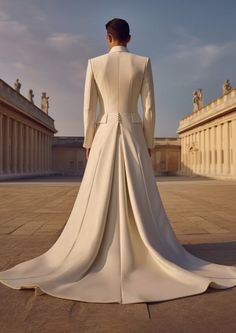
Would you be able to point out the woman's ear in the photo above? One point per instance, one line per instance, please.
(110, 37)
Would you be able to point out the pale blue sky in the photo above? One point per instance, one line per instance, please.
(47, 43)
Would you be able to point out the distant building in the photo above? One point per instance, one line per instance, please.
(69, 156)
(208, 139)
(25, 136)
(166, 156)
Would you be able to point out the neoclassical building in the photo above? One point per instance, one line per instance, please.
(26, 134)
(208, 139)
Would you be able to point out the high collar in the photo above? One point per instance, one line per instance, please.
(116, 48)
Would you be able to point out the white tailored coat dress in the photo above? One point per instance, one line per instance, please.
(118, 245)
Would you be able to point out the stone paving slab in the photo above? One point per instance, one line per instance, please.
(32, 216)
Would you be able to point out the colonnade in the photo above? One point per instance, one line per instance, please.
(23, 147)
(210, 150)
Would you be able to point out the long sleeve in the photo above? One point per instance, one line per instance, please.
(90, 106)
(148, 105)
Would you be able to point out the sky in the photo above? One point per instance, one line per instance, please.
(46, 44)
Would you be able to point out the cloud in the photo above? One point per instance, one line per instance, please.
(3, 15)
(26, 9)
(49, 61)
(204, 55)
(64, 40)
(189, 62)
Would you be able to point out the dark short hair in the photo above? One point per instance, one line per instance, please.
(118, 28)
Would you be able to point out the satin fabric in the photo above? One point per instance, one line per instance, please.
(118, 245)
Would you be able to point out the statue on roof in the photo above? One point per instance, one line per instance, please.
(44, 102)
(200, 95)
(197, 100)
(226, 87)
(17, 85)
(31, 96)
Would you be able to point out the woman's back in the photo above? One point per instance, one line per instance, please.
(119, 75)
(116, 79)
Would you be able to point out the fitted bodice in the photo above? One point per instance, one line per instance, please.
(118, 78)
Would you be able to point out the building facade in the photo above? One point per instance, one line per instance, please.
(68, 155)
(208, 139)
(166, 156)
(26, 134)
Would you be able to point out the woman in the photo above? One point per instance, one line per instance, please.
(118, 245)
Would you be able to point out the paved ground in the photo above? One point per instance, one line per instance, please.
(32, 215)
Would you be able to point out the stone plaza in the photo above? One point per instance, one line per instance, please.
(33, 213)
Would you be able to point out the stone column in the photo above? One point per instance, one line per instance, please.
(44, 153)
(31, 150)
(46, 168)
(233, 164)
(198, 152)
(226, 144)
(207, 151)
(21, 148)
(218, 148)
(24, 148)
(182, 154)
(195, 153)
(185, 154)
(213, 147)
(1, 144)
(40, 151)
(27, 149)
(191, 154)
(48, 153)
(227, 148)
(15, 146)
(203, 151)
(36, 151)
(7, 146)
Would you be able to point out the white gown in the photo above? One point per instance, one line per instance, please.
(118, 245)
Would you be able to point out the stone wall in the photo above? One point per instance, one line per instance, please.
(208, 139)
(25, 136)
